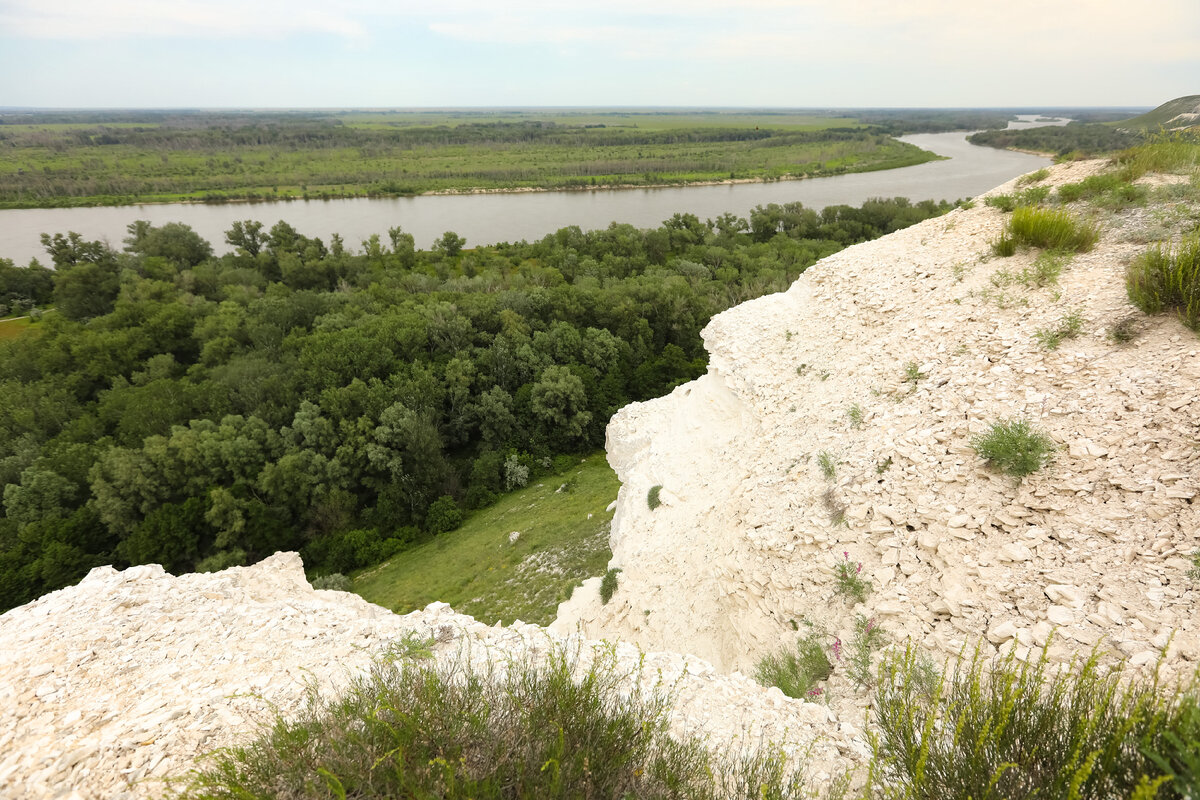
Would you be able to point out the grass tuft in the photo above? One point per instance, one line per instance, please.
(1014, 447)
(795, 670)
(1168, 279)
(828, 464)
(1037, 176)
(523, 730)
(608, 586)
(1050, 229)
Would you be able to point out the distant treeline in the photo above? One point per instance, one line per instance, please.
(1081, 139)
(200, 412)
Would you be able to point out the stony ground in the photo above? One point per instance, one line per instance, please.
(1094, 548)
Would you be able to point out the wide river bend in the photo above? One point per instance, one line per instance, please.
(488, 218)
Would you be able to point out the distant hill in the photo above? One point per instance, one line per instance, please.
(1182, 112)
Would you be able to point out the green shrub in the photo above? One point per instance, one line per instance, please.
(1166, 153)
(335, 581)
(795, 670)
(850, 582)
(1014, 448)
(1051, 229)
(1008, 729)
(1005, 246)
(608, 586)
(1068, 327)
(652, 498)
(443, 515)
(549, 730)
(1166, 279)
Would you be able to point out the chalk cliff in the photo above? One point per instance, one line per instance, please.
(885, 360)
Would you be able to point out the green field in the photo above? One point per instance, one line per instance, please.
(263, 157)
(12, 328)
(477, 571)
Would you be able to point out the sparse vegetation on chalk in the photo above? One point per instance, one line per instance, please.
(827, 463)
(1167, 278)
(797, 669)
(1069, 327)
(850, 582)
(855, 415)
(1044, 271)
(1014, 447)
(913, 374)
(1037, 176)
(548, 730)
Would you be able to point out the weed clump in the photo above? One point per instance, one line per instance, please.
(1014, 447)
(548, 730)
(652, 498)
(828, 464)
(1068, 327)
(608, 586)
(850, 582)
(795, 670)
(868, 637)
(1037, 176)
(1166, 278)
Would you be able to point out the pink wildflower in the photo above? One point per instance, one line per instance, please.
(859, 568)
(837, 648)
(814, 692)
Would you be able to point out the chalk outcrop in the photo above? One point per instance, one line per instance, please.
(111, 686)
(888, 358)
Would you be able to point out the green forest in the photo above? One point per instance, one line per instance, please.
(196, 411)
(90, 158)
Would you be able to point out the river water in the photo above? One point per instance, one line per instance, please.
(489, 218)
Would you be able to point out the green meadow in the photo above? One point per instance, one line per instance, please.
(479, 572)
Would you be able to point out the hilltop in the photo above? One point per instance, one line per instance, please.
(1180, 113)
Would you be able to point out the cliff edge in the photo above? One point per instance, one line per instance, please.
(835, 425)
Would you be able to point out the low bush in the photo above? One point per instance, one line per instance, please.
(1027, 197)
(796, 670)
(608, 586)
(1014, 447)
(336, 582)
(868, 637)
(1168, 279)
(1167, 153)
(1009, 729)
(525, 730)
(1051, 229)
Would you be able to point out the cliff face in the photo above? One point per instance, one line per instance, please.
(745, 545)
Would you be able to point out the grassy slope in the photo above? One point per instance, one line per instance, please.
(478, 572)
(1160, 116)
(12, 328)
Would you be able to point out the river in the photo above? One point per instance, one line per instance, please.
(488, 218)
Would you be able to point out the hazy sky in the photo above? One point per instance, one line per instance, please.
(398, 53)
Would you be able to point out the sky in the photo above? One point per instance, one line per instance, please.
(712, 53)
